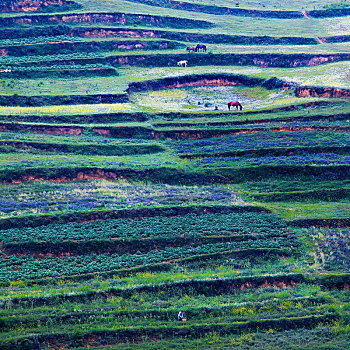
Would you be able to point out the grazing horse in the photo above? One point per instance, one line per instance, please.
(182, 63)
(234, 104)
(201, 47)
(190, 48)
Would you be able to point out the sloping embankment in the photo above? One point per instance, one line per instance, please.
(223, 10)
(314, 91)
(262, 60)
(106, 18)
(36, 5)
(43, 100)
(206, 80)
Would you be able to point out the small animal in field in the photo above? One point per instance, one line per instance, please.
(190, 48)
(234, 104)
(201, 47)
(182, 63)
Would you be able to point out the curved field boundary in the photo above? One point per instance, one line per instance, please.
(48, 31)
(166, 60)
(106, 18)
(232, 80)
(117, 246)
(151, 33)
(42, 100)
(191, 37)
(302, 196)
(314, 91)
(167, 314)
(197, 134)
(153, 268)
(300, 118)
(87, 149)
(35, 221)
(276, 151)
(58, 72)
(143, 117)
(327, 13)
(221, 10)
(174, 176)
(84, 47)
(208, 287)
(262, 60)
(207, 80)
(137, 334)
(154, 134)
(331, 223)
(80, 118)
(96, 32)
(37, 5)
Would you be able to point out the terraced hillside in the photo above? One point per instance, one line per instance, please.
(130, 192)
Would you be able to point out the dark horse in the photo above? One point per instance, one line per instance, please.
(190, 48)
(234, 104)
(201, 47)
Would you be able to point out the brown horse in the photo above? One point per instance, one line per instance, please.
(234, 104)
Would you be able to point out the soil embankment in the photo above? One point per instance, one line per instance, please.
(313, 91)
(262, 60)
(207, 80)
(47, 100)
(222, 10)
(69, 47)
(106, 18)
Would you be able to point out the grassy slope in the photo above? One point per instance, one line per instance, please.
(88, 310)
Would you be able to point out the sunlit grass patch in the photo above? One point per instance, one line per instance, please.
(209, 98)
(320, 210)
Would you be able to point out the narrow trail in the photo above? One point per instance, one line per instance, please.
(319, 40)
(305, 14)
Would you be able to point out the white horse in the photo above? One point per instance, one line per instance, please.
(182, 63)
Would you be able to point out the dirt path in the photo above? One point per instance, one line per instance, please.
(305, 14)
(307, 17)
(319, 40)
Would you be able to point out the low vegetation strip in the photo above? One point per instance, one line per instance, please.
(203, 80)
(333, 222)
(186, 226)
(53, 51)
(203, 175)
(332, 195)
(207, 287)
(127, 334)
(220, 10)
(165, 211)
(37, 5)
(232, 311)
(66, 34)
(165, 60)
(263, 60)
(127, 19)
(264, 140)
(275, 152)
(16, 100)
(26, 267)
(86, 149)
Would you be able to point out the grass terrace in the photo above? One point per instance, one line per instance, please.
(129, 192)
